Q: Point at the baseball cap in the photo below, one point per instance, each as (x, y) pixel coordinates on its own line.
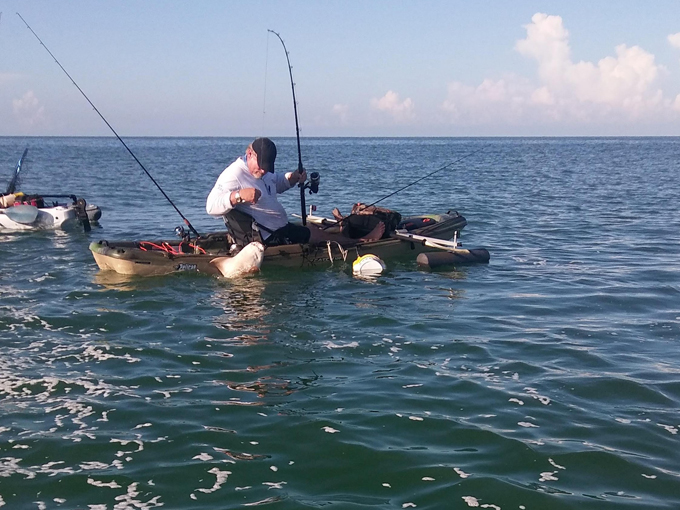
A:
(266, 153)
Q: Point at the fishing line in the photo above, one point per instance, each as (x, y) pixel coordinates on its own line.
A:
(186, 221)
(264, 97)
(297, 131)
(426, 176)
(408, 185)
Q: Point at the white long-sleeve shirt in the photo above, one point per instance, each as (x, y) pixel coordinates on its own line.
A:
(267, 211)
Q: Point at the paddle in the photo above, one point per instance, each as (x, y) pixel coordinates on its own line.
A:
(430, 242)
(24, 214)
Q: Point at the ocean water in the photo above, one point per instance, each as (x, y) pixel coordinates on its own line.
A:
(547, 379)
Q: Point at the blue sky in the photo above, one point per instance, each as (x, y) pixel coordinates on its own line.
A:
(362, 68)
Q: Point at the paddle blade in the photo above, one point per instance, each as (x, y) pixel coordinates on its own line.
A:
(24, 214)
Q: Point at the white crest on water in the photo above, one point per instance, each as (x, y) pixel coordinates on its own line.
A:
(461, 473)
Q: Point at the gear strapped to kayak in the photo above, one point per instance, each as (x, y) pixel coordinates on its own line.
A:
(364, 218)
(168, 248)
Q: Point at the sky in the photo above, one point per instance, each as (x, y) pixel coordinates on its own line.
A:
(361, 68)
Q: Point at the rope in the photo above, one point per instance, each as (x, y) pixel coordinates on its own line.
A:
(343, 252)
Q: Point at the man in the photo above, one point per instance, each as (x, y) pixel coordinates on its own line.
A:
(250, 185)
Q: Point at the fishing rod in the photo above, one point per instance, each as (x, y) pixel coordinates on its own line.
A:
(297, 131)
(426, 176)
(186, 221)
(411, 184)
(11, 188)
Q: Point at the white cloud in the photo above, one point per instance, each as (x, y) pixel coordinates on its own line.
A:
(674, 39)
(548, 42)
(27, 109)
(8, 77)
(491, 101)
(341, 111)
(615, 89)
(400, 111)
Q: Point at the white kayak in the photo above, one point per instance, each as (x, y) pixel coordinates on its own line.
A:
(30, 217)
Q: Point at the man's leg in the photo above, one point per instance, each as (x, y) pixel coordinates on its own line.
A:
(319, 235)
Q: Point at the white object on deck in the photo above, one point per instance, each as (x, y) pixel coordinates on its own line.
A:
(428, 241)
(248, 260)
(317, 220)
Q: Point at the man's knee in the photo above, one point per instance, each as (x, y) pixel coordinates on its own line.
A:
(290, 234)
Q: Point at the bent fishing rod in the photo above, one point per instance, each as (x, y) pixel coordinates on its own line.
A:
(297, 131)
(186, 221)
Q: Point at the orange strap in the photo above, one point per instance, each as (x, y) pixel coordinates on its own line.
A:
(167, 247)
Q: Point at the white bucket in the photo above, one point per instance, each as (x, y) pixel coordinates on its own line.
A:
(368, 265)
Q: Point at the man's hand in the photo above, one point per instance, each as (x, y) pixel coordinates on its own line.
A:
(296, 177)
(250, 195)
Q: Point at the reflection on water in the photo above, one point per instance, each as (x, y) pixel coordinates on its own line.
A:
(111, 280)
(244, 308)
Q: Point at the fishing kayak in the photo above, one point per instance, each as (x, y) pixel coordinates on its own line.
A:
(163, 257)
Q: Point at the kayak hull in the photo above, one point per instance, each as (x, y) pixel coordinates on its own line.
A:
(49, 218)
(135, 258)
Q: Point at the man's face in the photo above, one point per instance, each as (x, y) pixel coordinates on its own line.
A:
(253, 166)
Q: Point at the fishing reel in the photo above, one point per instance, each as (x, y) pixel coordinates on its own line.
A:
(313, 183)
(183, 234)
